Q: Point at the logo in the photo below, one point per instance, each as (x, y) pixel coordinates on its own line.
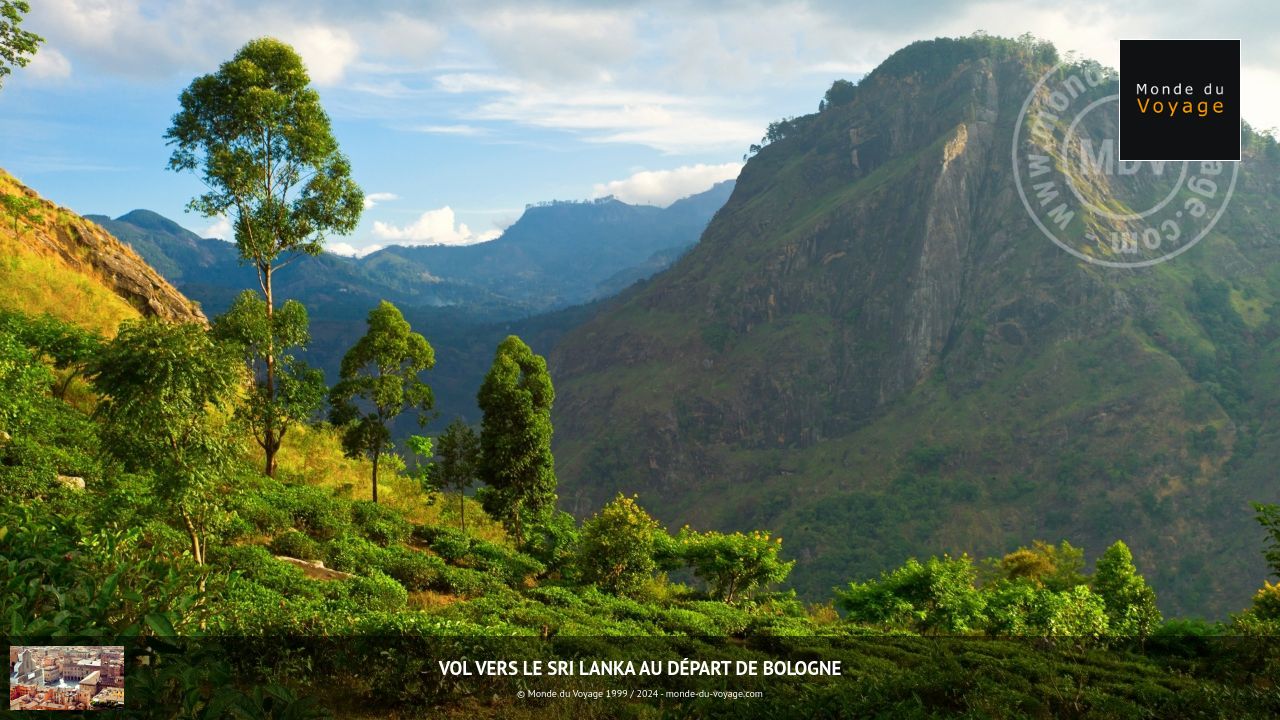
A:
(1180, 100)
(1097, 207)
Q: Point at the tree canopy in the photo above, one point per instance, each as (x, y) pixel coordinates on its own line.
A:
(261, 142)
(16, 45)
(458, 450)
(515, 436)
(160, 384)
(379, 380)
(299, 390)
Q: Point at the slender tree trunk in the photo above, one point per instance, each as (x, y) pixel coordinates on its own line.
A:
(196, 551)
(462, 510)
(270, 443)
(376, 453)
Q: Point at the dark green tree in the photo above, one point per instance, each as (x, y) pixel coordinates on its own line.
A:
(16, 45)
(458, 450)
(733, 564)
(1130, 602)
(299, 391)
(841, 92)
(515, 437)
(1269, 519)
(937, 595)
(161, 385)
(256, 133)
(378, 381)
(616, 550)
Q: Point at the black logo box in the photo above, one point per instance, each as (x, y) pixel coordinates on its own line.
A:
(1185, 65)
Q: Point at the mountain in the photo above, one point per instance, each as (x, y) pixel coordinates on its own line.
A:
(875, 351)
(210, 271)
(59, 263)
(605, 242)
(465, 300)
(610, 244)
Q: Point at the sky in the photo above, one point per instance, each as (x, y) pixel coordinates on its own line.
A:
(455, 115)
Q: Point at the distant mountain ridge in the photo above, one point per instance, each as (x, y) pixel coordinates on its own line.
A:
(565, 254)
(603, 244)
(466, 299)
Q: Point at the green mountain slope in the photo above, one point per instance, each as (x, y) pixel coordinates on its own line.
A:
(604, 242)
(875, 352)
(464, 299)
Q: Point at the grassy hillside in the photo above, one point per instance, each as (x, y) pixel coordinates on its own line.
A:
(58, 263)
(264, 628)
(36, 280)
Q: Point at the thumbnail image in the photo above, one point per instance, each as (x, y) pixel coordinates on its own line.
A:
(66, 677)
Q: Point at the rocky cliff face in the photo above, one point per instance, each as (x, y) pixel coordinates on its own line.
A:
(85, 248)
(875, 351)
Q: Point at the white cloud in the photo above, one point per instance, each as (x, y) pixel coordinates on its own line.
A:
(663, 187)
(1260, 98)
(559, 44)
(349, 250)
(372, 199)
(326, 51)
(114, 36)
(472, 82)
(221, 229)
(402, 37)
(466, 130)
(49, 64)
(667, 122)
(434, 227)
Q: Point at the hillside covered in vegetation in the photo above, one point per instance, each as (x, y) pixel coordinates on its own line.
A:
(875, 352)
(246, 526)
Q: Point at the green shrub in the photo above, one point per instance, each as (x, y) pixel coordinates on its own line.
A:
(315, 511)
(617, 547)
(448, 543)
(554, 542)
(464, 581)
(378, 591)
(557, 596)
(780, 625)
(352, 553)
(255, 563)
(23, 380)
(723, 619)
(936, 595)
(264, 513)
(297, 545)
(164, 537)
(513, 566)
(379, 523)
(415, 570)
